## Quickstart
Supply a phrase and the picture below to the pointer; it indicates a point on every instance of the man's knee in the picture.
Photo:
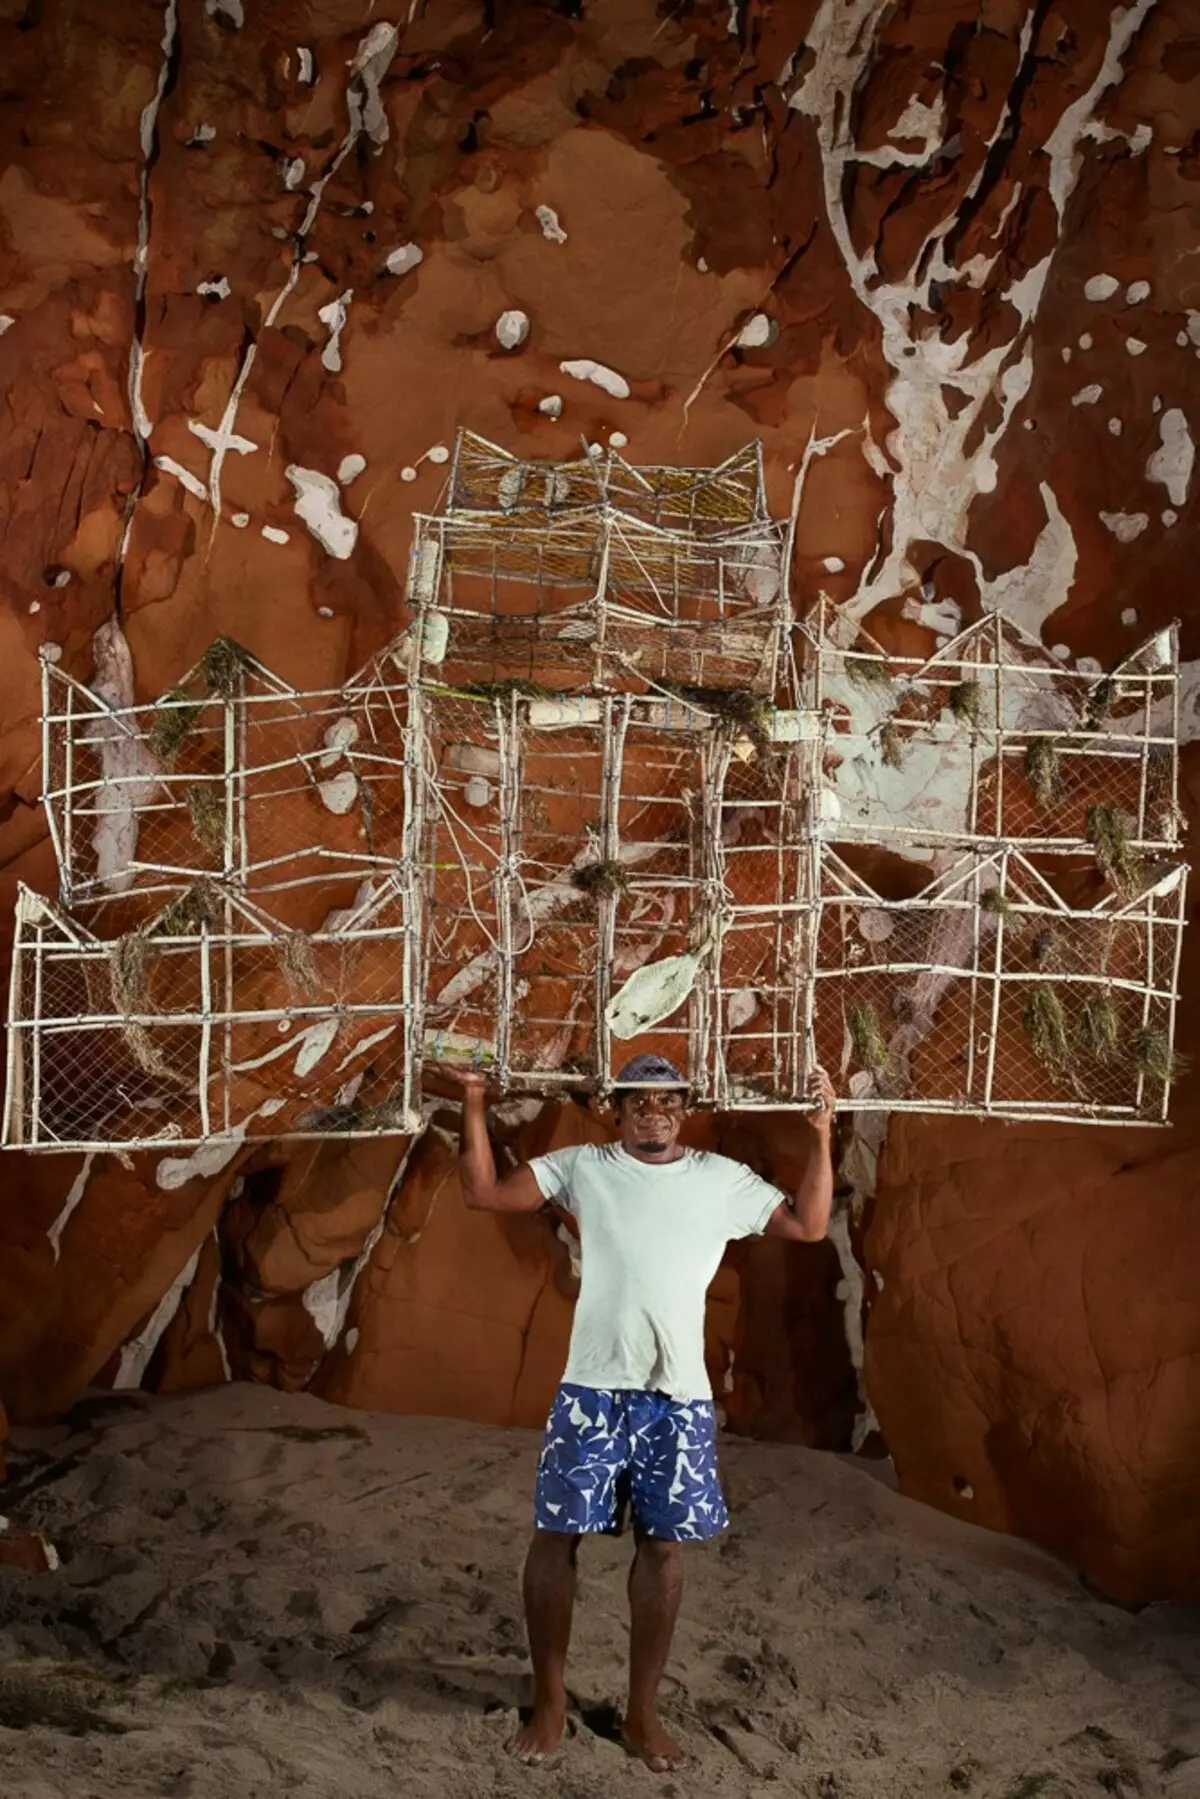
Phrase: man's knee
(658, 1549)
(555, 1545)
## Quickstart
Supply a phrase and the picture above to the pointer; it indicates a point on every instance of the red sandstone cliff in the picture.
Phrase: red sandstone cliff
(969, 230)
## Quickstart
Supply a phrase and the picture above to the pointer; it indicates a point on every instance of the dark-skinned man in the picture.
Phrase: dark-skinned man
(633, 1426)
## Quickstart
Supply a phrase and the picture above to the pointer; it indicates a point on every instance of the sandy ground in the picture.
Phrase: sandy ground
(263, 1594)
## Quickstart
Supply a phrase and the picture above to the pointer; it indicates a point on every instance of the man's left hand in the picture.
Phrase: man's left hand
(819, 1089)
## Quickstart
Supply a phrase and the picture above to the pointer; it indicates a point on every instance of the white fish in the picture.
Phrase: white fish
(654, 991)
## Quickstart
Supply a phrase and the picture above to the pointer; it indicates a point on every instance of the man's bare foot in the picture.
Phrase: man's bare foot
(656, 1746)
(534, 1741)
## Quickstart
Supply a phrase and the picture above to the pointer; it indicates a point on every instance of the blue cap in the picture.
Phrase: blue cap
(650, 1071)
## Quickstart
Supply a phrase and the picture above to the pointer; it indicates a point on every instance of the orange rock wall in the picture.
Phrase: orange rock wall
(1029, 1336)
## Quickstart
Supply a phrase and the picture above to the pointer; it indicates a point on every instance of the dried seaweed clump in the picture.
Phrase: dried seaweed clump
(174, 715)
(868, 671)
(298, 962)
(1100, 1027)
(1109, 835)
(866, 1036)
(129, 962)
(1099, 700)
(199, 904)
(994, 901)
(740, 711)
(602, 880)
(224, 663)
(1043, 771)
(206, 808)
(1047, 1029)
(1155, 1058)
(515, 688)
(964, 702)
(388, 1115)
(891, 744)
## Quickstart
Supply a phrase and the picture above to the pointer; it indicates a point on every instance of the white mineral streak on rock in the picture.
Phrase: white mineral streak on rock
(206, 1160)
(1129, 616)
(184, 476)
(231, 11)
(1136, 292)
(214, 1319)
(868, 1132)
(307, 69)
(318, 505)
(1135, 346)
(551, 405)
(349, 469)
(757, 332)
(78, 1188)
(241, 446)
(337, 738)
(340, 792)
(220, 288)
(1169, 518)
(127, 769)
(512, 328)
(1172, 463)
(1087, 396)
(834, 564)
(1100, 288)
(1193, 328)
(6, 321)
(240, 520)
(370, 64)
(364, 107)
(320, 1301)
(934, 478)
(273, 534)
(334, 315)
(1085, 341)
(400, 261)
(942, 616)
(292, 170)
(584, 369)
(135, 1355)
(148, 134)
(1115, 427)
(1125, 526)
(203, 134)
(547, 218)
(314, 1043)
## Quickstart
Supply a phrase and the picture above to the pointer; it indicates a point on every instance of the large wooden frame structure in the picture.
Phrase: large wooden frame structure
(540, 848)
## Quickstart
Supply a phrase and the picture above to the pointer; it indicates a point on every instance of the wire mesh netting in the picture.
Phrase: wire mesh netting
(208, 1020)
(596, 572)
(570, 843)
(994, 990)
(1004, 742)
(561, 821)
(231, 775)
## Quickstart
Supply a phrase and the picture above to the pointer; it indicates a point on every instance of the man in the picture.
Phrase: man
(633, 1421)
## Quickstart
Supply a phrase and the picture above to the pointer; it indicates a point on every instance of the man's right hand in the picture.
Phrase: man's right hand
(462, 1082)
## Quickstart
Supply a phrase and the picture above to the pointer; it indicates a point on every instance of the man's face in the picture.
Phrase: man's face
(650, 1119)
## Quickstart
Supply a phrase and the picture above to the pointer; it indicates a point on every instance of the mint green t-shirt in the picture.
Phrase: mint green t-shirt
(652, 1236)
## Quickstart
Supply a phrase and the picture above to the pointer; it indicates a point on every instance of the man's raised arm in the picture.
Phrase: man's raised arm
(481, 1191)
(805, 1217)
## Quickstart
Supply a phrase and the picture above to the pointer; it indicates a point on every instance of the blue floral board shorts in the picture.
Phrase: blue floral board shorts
(611, 1450)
